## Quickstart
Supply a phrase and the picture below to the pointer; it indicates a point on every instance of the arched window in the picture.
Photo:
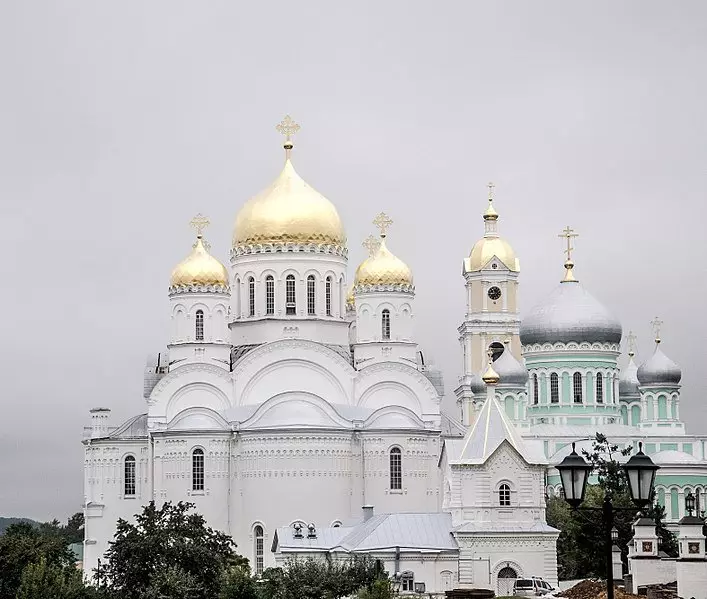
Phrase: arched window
(311, 295)
(600, 388)
(385, 324)
(407, 582)
(258, 549)
(199, 325)
(577, 387)
(238, 297)
(504, 495)
(396, 469)
(536, 395)
(496, 349)
(554, 388)
(129, 476)
(269, 295)
(290, 305)
(251, 296)
(197, 469)
(327, 295)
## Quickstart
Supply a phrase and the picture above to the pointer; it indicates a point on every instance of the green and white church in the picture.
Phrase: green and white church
(560, 379)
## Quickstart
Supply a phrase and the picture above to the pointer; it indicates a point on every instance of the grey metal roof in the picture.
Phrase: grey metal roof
(326, 539)
(511, 371)
(451, 427)
(135, 428)
(659, 369)
(570, 313)
(628, 381)
(477, 386)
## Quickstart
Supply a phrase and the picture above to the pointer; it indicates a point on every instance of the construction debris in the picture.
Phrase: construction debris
(593, 589)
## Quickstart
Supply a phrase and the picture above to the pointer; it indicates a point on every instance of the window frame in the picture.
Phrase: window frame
(258, 549)
(407, 581)
(577, 390)
(311, 295)
(554, 388)
(290, 295)
(198, 471)
(327, 294)
(395, 468)
(536, 387)
(251, 296)
(599, 388)
(385, 324)
(504, 495)
(269, 295)
(129, 478)
(199, 325)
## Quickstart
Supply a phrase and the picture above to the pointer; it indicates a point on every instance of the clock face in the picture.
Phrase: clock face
(494, 293)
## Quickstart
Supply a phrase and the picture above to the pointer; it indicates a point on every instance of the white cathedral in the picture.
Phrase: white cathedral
(295, 409)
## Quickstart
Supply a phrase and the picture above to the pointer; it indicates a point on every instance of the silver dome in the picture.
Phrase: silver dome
(659, 369)
(478, 387)
(569, 314)
(511, 371)
(628, 381)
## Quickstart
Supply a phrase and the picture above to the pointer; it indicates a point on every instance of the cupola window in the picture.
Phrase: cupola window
(327, 295)
(197, 469)
(600, 388)
(269, 295)
(290, 304)
(504, 495)
(129, 476)
(385, 324)
(258, 549)
(554, 388)
(396, 469)
(251, 296)
(536, 398)
(311, 295)
(199, 325)
(577, 387)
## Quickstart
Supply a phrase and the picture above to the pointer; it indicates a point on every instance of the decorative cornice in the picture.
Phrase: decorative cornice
(404, 288)
(570, 346)
(181, 289)
(273, 248)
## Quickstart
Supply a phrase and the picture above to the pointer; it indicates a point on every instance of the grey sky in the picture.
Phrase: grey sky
(120, 120)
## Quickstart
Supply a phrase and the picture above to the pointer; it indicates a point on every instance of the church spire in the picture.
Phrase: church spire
(568, 233)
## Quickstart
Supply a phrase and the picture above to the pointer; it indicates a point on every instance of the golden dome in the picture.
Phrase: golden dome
(490, 377)
(383, 268)
(488, 247)
(289, 211)
(199, 268)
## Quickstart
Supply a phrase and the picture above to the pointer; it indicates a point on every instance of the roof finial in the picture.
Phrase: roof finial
(200, 222)
(288, 128)
(631, 344)
(490, 377)
(382, 221)
(372, 244)
(490, 213)
(568, 233)
(656, 323)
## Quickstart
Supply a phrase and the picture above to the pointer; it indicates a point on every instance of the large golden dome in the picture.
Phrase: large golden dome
(289, 211)
(486, 248)
(199, 268)
(383, 268)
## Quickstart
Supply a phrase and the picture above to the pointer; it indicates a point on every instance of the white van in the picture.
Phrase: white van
(531, 587)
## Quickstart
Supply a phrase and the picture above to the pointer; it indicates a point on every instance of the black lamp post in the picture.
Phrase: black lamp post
(690, 503)
(640, 472)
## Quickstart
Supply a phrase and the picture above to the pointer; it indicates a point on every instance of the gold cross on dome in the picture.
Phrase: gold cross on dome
(491, 185)
(382, 221)
(631, 343)
(200, 222)
(371, 244)
(656, 323)
(287, 127)
(569, 234)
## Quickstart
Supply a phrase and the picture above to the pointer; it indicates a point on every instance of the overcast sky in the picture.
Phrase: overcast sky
(120, 120)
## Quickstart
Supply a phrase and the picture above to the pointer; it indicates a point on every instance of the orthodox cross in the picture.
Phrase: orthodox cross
(569, 234)
(656, 323)
(199, 222)
(371, 244)
(382, 221)
(631, 343)
(491, 187)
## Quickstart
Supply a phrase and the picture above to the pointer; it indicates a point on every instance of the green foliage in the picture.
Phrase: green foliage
(581, 548)
(168, 551)
(49, 581)
(22, 545)
(236, 583)
(380, 589)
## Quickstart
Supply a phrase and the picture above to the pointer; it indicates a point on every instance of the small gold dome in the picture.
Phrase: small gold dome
(490, 377)
(488, 247)
(199, 268)
(383, 268)
(289, 211)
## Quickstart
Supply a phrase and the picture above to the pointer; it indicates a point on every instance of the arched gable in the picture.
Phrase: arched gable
(198, 418)
(295, 410)
(393, 417)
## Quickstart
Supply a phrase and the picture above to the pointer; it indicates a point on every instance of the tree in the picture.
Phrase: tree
(168, 551)
(49, 581)
(237, 583)
(22, 545)
(581, 548)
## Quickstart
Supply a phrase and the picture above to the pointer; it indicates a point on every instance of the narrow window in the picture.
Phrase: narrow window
(504, 495)
(238, 298)
(290, 305)
(600, 388)
(385, 324)
(396, 469)
(199, 325)
(197, 470)
(269, 295)
(577, 387)
(258, 549)
(536, 398)
(327, 295)
(129, 476)
(311, 295)
(251, 296)
(407, 580)
(554, 388)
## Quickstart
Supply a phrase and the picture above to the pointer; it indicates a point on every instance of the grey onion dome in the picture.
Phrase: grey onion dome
(478, 387)
(628, 381)
(570, 313)
(659, 369)
(511, 371)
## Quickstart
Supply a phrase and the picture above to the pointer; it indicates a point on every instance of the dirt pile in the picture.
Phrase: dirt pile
(593, 589)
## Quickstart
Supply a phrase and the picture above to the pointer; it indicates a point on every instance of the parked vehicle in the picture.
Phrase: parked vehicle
(532, 587)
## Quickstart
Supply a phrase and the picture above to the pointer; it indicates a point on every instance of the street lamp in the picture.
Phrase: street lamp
(640, 471)
(614, 534)
(690, 503)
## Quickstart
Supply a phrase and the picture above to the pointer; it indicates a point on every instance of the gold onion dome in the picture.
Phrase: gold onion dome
(289, 210)
(382, 267)
(490, 377)
(199, 267)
